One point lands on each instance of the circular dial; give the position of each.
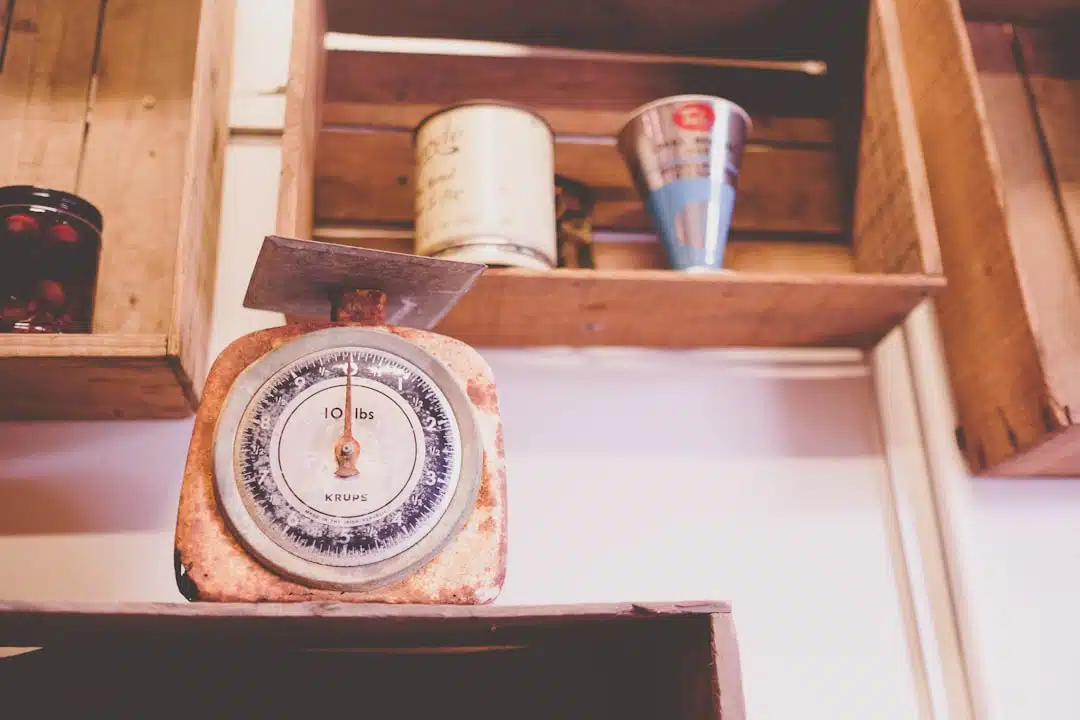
(347, 458)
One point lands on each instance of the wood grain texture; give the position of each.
(997, 376)
(726, 668)
(632, 252)
(368, 177)
(1053, 81)
(522, 308)
(136, 149)
(571, 84)
(44, 91)
(212, 566)
(752, 28)
(1019, 10)
(200, 207)
(90, 386)
(894, 223)
(818, 133)
(327, 624)
(303, 118)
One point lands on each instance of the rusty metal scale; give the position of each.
(354, 458)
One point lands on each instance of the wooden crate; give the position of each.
(578, 661)
(833, 231)
(123, 103)
(999, 116)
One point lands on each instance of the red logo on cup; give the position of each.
(695, 116)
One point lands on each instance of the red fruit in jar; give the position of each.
(20, 223)
(51, 293)
(64, 233)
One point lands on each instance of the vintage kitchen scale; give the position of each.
(353, 458)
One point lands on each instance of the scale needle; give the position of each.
(346, 447)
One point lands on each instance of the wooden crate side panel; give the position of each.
(996, 374)
(303, 118)
(90, 388)
(894, 226)
(44, 90)
(368, 178)
(1041, 248)
(133, 169)
(1053, 76)
(200, 210)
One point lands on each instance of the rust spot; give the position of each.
(482, 393)
(499, 441)
(487, 525)
(24, 26)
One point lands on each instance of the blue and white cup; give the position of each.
(684, 154)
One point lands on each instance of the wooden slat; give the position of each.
(569, 83)
(303, 118)
(315, 625)
(200, 210)
(106, 386)
(894, 224)
(997, 373)
(570, 121)
(73, 345)
(520, 308)
(637, 253)
(1053, 77)
(44, 90)
(368, 177)
(133, 168)
(1019, 10)
(752, 28)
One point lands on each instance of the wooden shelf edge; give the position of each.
(105, 345)
(25, 624)
(514, 308)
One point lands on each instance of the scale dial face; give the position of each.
(347, 458)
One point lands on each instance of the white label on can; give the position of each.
(485, 174)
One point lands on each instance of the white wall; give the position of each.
(633, 475)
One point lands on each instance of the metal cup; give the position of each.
(684, 154)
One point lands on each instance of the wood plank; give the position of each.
(368, 177)
(521, 308)
(134, 165)
(894, 225)
(44, 90)
(615, 252)
(105, 386)
(1015, 11)
(88, 345)
(303, 118)
(742, 28)
(1053, 79)
(1002, 400)
(767, 130)
(314, 625)
(568, 83)
(200, 209)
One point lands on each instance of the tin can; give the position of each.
(684, 154)
(484, 186)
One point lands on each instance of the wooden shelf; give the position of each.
(646, 660)
(833, 242)
(660, 308)
(138, 129)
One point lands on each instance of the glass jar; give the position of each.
(50, 246)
